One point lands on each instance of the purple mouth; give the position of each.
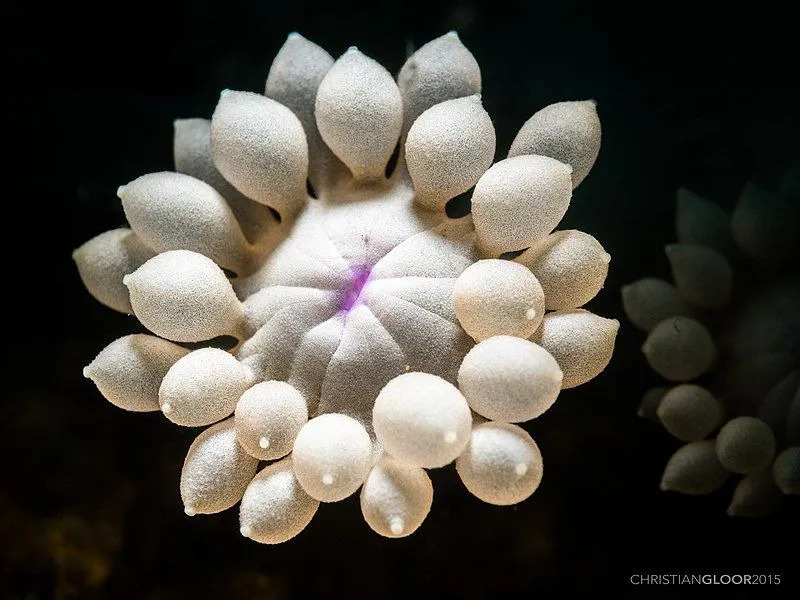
(358, 279)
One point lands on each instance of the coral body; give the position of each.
(730, 319)
(354, 298)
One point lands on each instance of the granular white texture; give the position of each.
(171, 211)
(571, 267)
(183, 296)
(293, 80)
(129, 371)
(501, 465)
(269, 416)
(327, 297)
(396, 498)
(506, 378)
(440, 70)
(332, 455)
(498, 297)
(581, 342)
(216, 471)
(520, 200)
(731, 319)
(260, 147)
(422, 420)
(275, 508)
(203, 387)
(192, 154)
(567, 131)
(448, 149)
(104, 260)
(359, 113)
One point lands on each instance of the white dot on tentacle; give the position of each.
(263, 443)
(166, 408)
(327, 479)
(521, 469)
(396, 525)
(530, 314)
(450, 437)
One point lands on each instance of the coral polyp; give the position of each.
(730, 322)
(353, 298)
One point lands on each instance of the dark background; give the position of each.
(89, 505)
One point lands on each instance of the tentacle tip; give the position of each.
(224, 93)
(453, 34)
(120, 191)
(249, 373)
(731, 511)
(294, 36)
(396, 525)
(245, 531)
(664, 486)
(477, 97)
(606, 258)
(351, 50)
(87, 372)
(126, 280)
(190, 511)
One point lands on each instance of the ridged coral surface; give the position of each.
(352, 297)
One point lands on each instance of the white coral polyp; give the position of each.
(286, 228)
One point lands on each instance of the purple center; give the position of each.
(358, 279)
